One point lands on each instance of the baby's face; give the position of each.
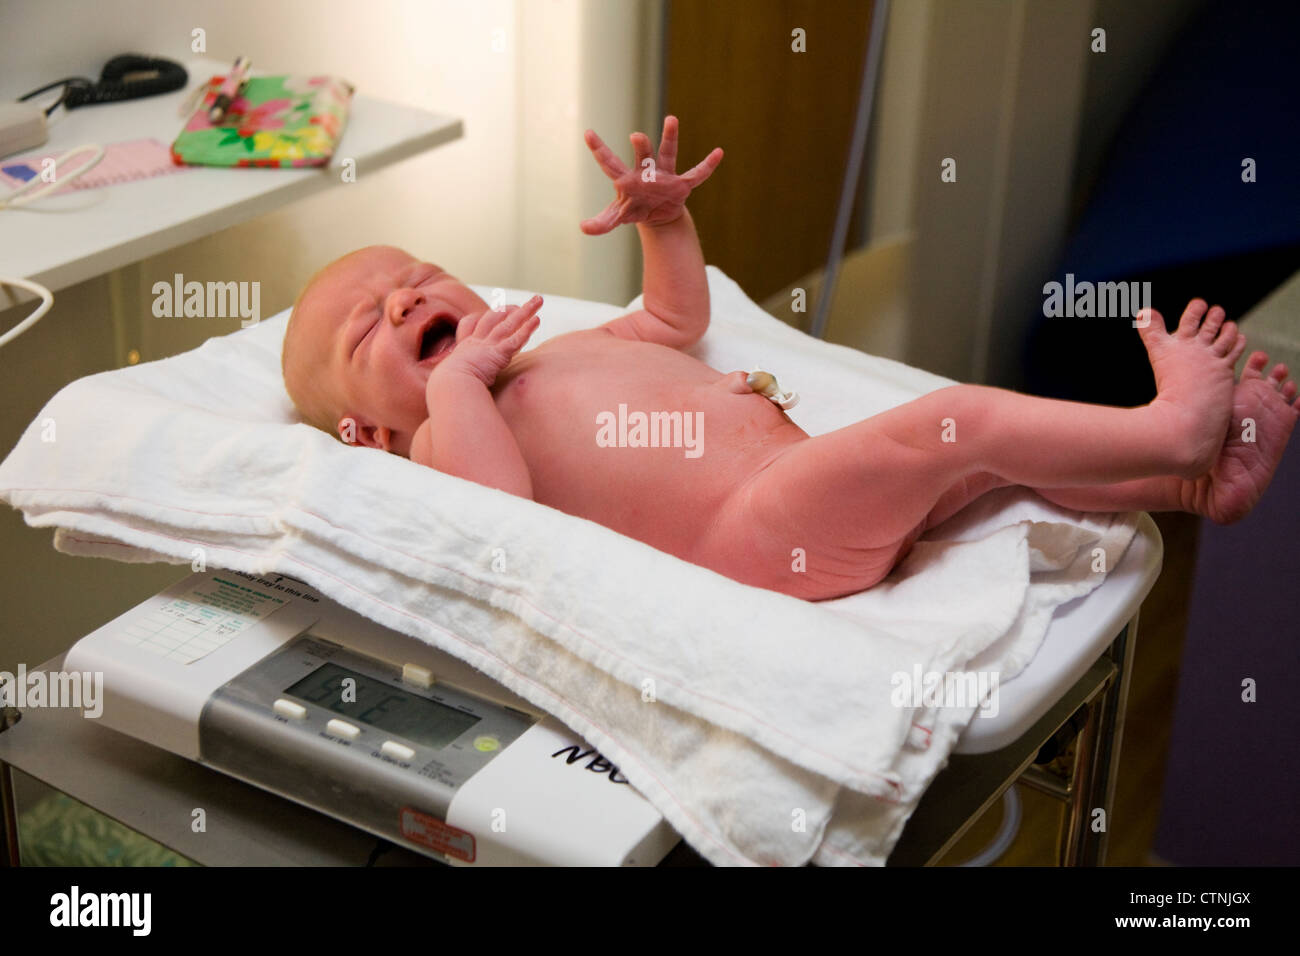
(391, 319)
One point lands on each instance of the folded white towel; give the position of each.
(741, 714)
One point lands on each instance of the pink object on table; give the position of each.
(122, 163)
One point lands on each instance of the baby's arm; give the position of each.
(675, 287)
(673, 282)
(465, 435)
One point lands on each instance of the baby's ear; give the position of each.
(354, 432)
(347, 430)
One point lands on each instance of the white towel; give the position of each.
(761, 726)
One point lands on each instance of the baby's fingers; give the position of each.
(608, 219)
(485, 324)
(515, 318)
(609, 162)
(704, 169)
(516, 340)
(465, 328)
(641, 149)
(668, 145)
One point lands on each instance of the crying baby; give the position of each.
(607, 423)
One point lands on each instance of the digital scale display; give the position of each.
(384, 706)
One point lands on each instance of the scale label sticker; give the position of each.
(429, 831)
(208, 616)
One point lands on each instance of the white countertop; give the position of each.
(62, 240)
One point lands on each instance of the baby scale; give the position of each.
(264, 679)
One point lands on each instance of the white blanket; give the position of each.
(746, 717)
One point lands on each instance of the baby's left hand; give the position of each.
(651, 193)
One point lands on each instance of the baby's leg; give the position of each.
(1264, 413)
(849, 503)
(833, 514)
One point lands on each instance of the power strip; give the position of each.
(22, 126)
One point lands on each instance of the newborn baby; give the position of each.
(390, 352)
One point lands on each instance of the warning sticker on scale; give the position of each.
(207, 616)
(429, 831)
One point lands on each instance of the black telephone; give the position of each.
(124, 77)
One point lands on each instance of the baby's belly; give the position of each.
(654, 463)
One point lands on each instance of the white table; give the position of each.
(1080, 632)
(62, 240)
(1074, 689)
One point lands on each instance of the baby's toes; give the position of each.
(1226, 340)
(1191, 320)
(1278, 375)
(1237, 348)
(1213, 322)
(1289, 392)
(1151, 327)
(1255, 365)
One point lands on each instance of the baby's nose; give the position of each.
(402, 305)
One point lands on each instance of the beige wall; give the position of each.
(889, 191)
(500, 206)
(558, 182)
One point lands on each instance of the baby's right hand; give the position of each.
(487, 341)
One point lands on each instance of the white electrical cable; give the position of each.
(47, 300)
(1006, 833)
(17, 197)
(20, 197)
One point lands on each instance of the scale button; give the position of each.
(487, 743)
(341, 728)
(417, 675)
(287, 708)
(392, 748)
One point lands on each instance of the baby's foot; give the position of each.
(1194, 380)
(1244, 468)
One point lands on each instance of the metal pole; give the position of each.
(866, 98)
(9, 855)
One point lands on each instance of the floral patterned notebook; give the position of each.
(275, 121)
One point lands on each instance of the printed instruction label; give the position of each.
(208, 616)
(429, 831)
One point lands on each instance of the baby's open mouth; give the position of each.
(438, 339)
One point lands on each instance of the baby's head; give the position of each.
(362, 339)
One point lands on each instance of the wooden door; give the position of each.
(784, 118)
